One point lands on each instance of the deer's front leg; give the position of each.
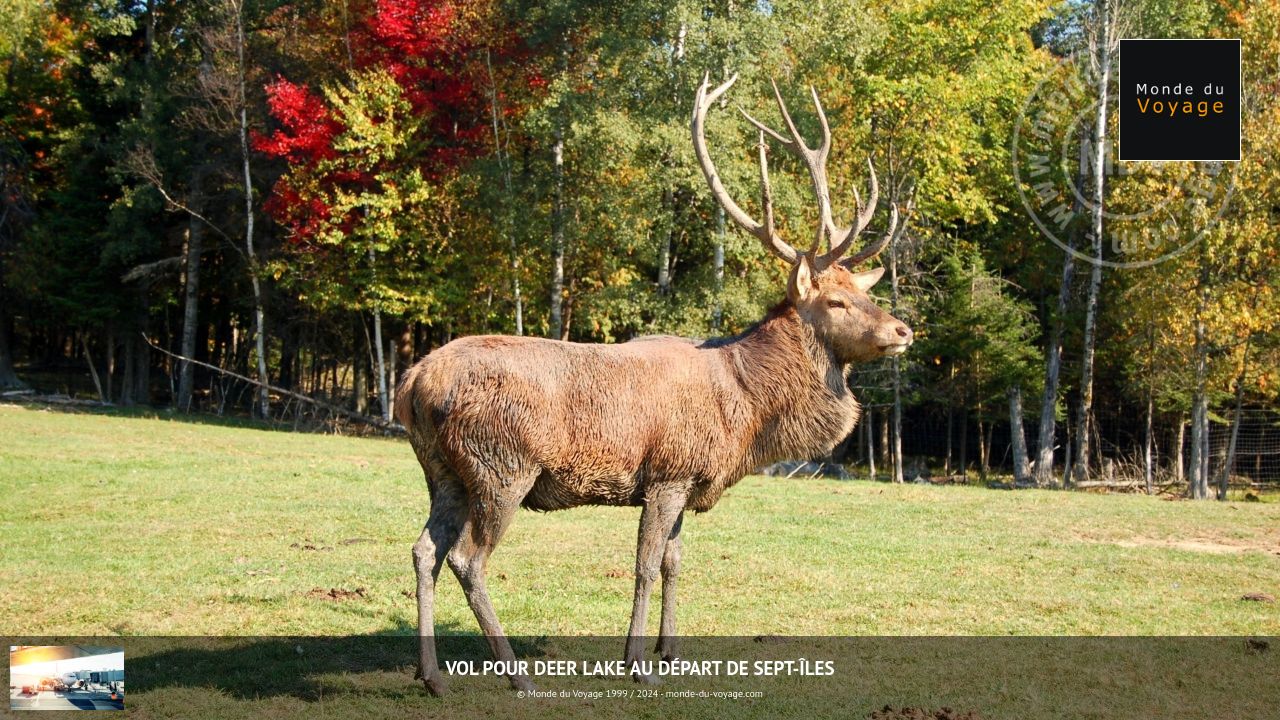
(658, 519)
(666, 647)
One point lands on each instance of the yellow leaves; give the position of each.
(623, 277)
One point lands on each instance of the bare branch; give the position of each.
(376, 422)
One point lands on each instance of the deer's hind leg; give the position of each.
(662, 511)
(666, 646)
(493, 502)
(444, 523)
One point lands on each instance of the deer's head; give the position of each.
(824, 290)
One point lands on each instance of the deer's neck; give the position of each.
(798, 403)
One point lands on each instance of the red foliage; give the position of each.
(430, 48)
(307, 127)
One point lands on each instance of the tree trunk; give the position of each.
(391, 380)
(668, 210)
(1043, 471)
(1052, 367)
(557, 238)
(260, 340)
(1148, 470)
(886, 458)
(136, 388)
(983, 451)
(964, 445)
(946, 463)
(1198, 489)
(93, 370)
(1099, 149)
(991, 432)
(359, 389)
(504, 163)
(384, 398)
(666, 234)
(191, 295)
(1179, 461)
(8, 375)
(897, 421)
(871, 445)
(141, 373)
(1021, 473)
(126, 382)
(897, 365)
(717, 271)
(1199, 483)
(111, 364)
(1228, 462)
(260, 347)
(1066, 461)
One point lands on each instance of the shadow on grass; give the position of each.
(303, 668)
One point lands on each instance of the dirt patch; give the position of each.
(616, 573)
(310, 546)
(888, 712)
(1217, 546)
(356, 541)
(338, 594)
(1259, 597)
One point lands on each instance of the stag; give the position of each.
(666, 424)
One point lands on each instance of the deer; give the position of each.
(664, 423)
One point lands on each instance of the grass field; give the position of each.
(132, 525)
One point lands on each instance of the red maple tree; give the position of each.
(432, 49)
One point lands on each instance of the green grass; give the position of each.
(133, 525)
(106, 517)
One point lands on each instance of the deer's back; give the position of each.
(597, 423)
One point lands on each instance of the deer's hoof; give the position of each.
(666, 649)
(522, 683)
(646, 679)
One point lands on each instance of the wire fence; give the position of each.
(947, 443)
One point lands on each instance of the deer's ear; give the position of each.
(864, 281)
(801, 284)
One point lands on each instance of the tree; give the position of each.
(362, 156)
(1104, 34)
(978, 340)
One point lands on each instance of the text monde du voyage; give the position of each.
(1179, 99)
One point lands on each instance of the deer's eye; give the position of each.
(836, 304)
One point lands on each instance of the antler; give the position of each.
(873, 249)
(846, 236)
(815, 160)
(763, 232)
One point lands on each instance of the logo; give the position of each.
(1179, 100)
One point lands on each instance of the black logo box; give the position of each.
(1177, 72)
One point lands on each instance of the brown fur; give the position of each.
(664, 423)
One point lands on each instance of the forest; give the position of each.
(271, 208)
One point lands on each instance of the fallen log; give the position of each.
(367, 419)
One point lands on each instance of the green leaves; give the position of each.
(977, 338)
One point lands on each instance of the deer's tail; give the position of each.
(408, 396)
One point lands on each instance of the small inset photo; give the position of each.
(66, 677)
